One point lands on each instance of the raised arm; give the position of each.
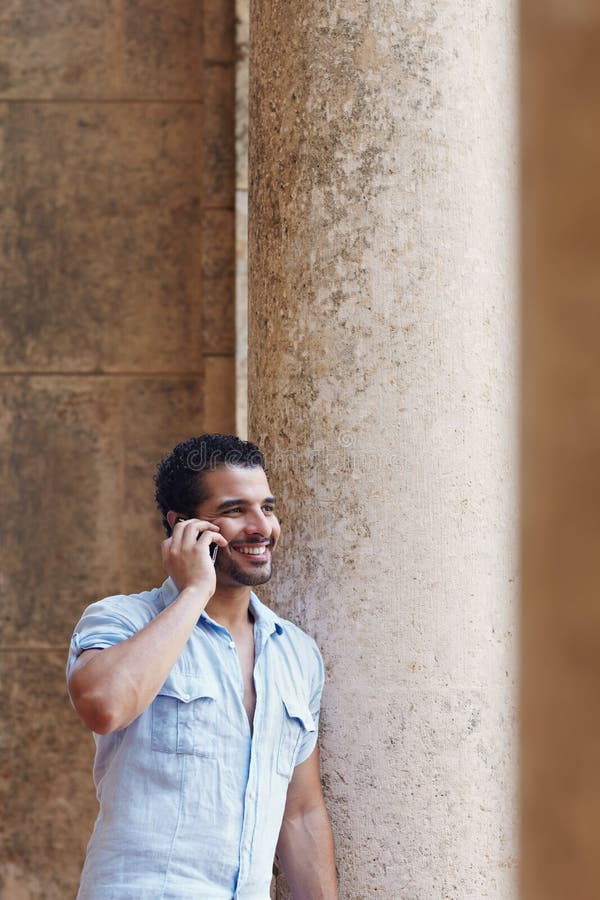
(110, 688)
(305, 847)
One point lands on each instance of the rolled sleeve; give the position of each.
(99, 627)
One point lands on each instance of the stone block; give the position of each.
(218, 280)
(241, 93)
(101, 251)
(219, 394)
(56, 49)
(46, 790)
(219, 30)
(218, 181)
(161, 49)
(141, 49)
(79, 521)
(241, 311)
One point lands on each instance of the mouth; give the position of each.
(254, 552)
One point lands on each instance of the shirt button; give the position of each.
(232, 644)
(186, 696)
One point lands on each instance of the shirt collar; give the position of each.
(263, 615)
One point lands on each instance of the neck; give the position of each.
(229, 606)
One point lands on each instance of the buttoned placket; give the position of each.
(262, 633)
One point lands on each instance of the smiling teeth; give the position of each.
(255, 551)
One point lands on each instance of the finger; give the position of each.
(211, 537)
(177, 532)
(189, 529)
(200, 524)
(196, 527)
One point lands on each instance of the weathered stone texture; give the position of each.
(93, 50)
(116, 140)
(241, 311)
(45, 761)
(218, 171)
(218, 281)
(241, 93)
(101, 217)
(241, 212)
(219, 394)
(560, 115)
(380, 378)
(79, 522)
(219, 30)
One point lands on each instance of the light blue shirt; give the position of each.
(191, 803)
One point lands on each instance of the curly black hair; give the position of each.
(178, 476)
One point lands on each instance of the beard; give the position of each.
(227, 566)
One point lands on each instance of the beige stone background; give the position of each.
(117, 267)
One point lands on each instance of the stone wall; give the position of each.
(117, 340)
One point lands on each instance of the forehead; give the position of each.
(228, 482)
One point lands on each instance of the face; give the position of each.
(240, 502)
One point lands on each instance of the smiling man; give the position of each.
(204, 705)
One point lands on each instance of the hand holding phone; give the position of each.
(185, 555)
(213, 548)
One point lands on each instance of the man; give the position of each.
(204, 705)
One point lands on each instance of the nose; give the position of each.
(258, 523)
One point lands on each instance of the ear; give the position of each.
(173, 517)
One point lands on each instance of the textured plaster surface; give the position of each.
(560, 114)
(382, 324)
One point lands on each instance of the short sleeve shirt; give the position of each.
(191, 802)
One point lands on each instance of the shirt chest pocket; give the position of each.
(184, 716)
(297, 722)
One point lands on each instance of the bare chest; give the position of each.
(244, 643)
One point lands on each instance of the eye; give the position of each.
(268, 507)
(233, 509)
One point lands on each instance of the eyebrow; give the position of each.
(226, 504)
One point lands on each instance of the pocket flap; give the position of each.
(298, 709)
(186, 687)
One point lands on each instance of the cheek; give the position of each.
(227, 530)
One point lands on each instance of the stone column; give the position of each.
(561, 450)
(381, 386)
